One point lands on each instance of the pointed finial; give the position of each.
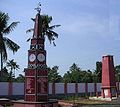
(38, 7)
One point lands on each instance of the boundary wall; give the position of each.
(7, 88)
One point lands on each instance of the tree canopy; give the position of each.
(6, 42)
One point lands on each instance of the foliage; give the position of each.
(20, 78)
(98, 71)
(5, 75)
(4, 41)
(12, 65)
(53, 75)
(117, 70)
(76, 75)
(47, 30)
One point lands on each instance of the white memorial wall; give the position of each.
(58, 88)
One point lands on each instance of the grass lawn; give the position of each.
(84, 101)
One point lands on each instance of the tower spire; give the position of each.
(38, 8)
(38, 23)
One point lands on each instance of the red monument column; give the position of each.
(36, 75)
(36, 85)
(109, 88)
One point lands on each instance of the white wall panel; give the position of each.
(50, 88)
(59, 87)
(81, 87)
(98, 87)
(18, 88)
(3, 88)
(90, 87)
(71, 88)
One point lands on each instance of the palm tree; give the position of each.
(47, 30)
(12, 65)
(4, 41)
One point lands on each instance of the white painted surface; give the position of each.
(106, 92)
(71, 88)
(50, 88)
(90, 87)
(3, 88)
(81, 87)
(98, 87)
(18, 88)
(59, 87)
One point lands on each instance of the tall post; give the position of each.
(109, 88)
(36, 74)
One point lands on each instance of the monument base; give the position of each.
(103, 99)
(109, 91)
(22, 103)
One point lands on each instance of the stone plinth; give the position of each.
(21, 103)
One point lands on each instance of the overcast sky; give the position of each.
(89, 29)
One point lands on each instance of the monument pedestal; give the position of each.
(109, 92)
(22, 103)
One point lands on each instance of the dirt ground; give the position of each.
(93, 103)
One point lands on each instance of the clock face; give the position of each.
(32, 57)
(41, 57)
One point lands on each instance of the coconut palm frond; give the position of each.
(11, 45)
(33, 19)
(30, 30)
(3, 21)
(54, 43)
(10, 27)
(54, 26)
(28, 40)
(4, 53)
(54, 34)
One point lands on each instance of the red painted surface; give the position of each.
(65, 88)
(36, 82)
(76, 88)
(53, 88)
(10, 89)
(109, 88)
(42, 73)
(36, 75)
(95, 87)
(29, 72)
(86, 88)
(36, 105)
(30, 97)
(117, 85)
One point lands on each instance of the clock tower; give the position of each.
(36, 81)
(36, 74)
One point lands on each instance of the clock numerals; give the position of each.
(41, 57)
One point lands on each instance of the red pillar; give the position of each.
(10, 88)
(86, 88)
(109, 88)
(65, 88)
(53, 88)
(76, 88)
(95, 89)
